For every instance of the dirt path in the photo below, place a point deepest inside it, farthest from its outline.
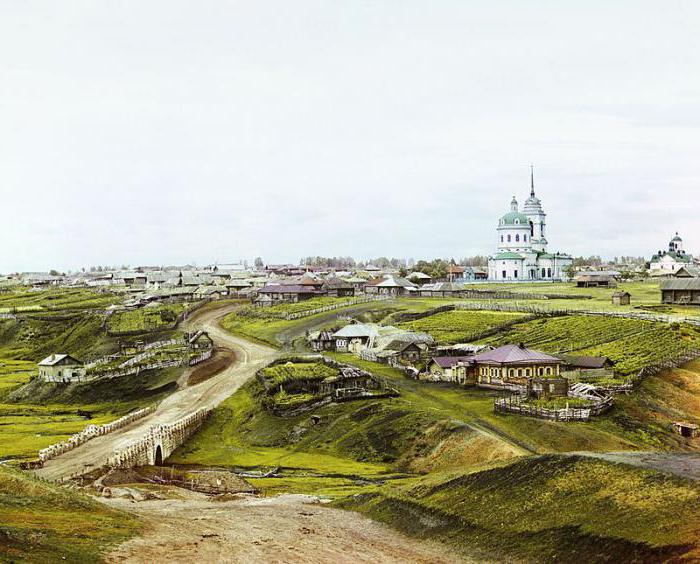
(287, 528)
(683, 464)
(249, 358)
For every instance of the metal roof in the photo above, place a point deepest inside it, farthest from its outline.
(680, 284)
(515, 354)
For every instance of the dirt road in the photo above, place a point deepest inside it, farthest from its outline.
(281, 529)
(249, 358)
(683, 464)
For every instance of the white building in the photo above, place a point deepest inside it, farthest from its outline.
(522, 245)
(666, 263)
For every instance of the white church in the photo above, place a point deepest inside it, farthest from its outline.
(522, 245)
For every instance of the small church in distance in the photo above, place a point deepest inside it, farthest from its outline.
(522, 245)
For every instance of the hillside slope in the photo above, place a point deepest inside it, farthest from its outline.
(561, 508)
(41, 522)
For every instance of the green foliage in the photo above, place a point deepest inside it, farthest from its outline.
(633, 353)
(145, 319)
(41, 522)
(461, 325)
(571, 332)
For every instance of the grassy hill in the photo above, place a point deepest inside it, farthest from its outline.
(42, 522)
(556, 508)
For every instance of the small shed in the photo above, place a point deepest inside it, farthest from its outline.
(688, 430)
(621, 298)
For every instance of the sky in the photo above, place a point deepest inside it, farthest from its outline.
(171, 132)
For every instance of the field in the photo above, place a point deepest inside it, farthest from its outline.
(551, 508)
(145, 319)
(646, 296)
(41, 522)
(461, 326)
(55, 299)
(631, 343)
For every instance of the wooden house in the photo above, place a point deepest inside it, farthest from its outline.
(287, 293)
(681, 291)
(513, 365)
(338, 288)
(596, 280)
(457, 369)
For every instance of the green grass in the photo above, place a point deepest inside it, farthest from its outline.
(145, 319)
(26, 429)
(460, 326)
(41, 522)
(289, 371)
(550, 508)
(354, 439)
(55, 299)
(79, 334)
(281, 310)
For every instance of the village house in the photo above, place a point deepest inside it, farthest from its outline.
(472, 273)
(62, 368)
(441, 290)
(391, 286)
(337, 288)
(687, 271)
(512, 365)
(321, 341)
(596, 280)
(456, 369)
(681, 291)
(354, 337)
(285, 293)
(419, 278)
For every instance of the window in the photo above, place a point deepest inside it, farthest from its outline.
(549, 273)
(509, 238)
(515, 274)
(501, 238)
(504, 274)
(544, 273)
(525, 238)
(548, 370)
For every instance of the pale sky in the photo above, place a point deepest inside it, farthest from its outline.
(166, 132)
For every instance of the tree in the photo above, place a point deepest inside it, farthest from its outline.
(570, 271)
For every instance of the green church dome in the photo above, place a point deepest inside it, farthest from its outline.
(515, 218)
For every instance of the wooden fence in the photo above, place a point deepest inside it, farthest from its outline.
(516, 404)
(331, 307)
